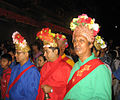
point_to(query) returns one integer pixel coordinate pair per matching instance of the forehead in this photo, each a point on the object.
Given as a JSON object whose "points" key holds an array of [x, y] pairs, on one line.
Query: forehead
{"points": [[18, 50], [46, 49], [4, 59], [40, 57], [78, 37]]}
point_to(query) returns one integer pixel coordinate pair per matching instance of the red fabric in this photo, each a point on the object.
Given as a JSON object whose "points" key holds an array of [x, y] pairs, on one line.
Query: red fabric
{"points": [[54, 74], [16, 79], [4, 81], [92, 64], [65, 59]]}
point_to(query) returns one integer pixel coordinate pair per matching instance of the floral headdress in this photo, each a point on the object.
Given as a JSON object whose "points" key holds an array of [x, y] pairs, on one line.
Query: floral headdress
{"points": [[20, 42], [61, 37], [99, 43], [47, 37], [86, 22]]}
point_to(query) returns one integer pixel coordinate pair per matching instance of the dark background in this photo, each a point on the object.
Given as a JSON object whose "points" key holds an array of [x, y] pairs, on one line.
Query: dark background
{"points": [[61, 12]]}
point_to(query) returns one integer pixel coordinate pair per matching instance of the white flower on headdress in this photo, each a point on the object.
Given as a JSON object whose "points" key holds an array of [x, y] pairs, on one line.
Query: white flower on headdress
{"points": [[23, 44], [100, 41], [103, 46], [95, 26]]}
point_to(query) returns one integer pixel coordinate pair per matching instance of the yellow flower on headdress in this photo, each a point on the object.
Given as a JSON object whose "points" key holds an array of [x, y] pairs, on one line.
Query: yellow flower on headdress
{"points": [[47, 37], [99, 43], [85, 21]]}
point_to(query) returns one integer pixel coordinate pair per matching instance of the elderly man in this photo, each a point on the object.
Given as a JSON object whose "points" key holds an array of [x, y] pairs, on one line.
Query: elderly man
{"points": [[25, 77], [54, 73], [90, 79]]}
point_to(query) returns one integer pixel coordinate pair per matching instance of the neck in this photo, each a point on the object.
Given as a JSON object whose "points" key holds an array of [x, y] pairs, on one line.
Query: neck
{"points": [[55, 58], [24, 61], [84, 56]]}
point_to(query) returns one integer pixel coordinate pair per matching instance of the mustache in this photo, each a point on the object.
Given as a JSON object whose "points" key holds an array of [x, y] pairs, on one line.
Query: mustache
{"points": [[77, 48]]}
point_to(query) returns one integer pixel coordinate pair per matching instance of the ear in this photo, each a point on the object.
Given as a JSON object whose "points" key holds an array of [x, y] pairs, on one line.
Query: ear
{"points": [[98, 52], [56, 51], [9, 62], [26, 54], [90, 45]]}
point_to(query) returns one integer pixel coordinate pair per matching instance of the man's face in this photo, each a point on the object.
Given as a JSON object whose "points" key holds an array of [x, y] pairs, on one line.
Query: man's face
{"points": [[20, 55], [50, 54], [81, 45]]}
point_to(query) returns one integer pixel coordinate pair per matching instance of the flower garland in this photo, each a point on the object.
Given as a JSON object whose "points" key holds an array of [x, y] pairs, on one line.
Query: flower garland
{"points": [[100, 41], [61, 37], [45, 34], [47, 37], [18, 39], [85, 21]]}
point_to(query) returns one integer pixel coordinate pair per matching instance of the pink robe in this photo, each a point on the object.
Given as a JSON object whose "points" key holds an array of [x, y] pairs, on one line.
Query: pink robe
{"points": [[55, 74]]}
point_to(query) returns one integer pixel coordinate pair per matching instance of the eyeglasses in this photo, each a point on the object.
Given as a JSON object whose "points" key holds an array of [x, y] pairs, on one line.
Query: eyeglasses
{"points": [[18, 53]]}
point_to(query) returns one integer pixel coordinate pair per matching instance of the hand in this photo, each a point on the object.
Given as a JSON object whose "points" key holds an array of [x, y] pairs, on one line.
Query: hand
{"points": [[46, 88]]}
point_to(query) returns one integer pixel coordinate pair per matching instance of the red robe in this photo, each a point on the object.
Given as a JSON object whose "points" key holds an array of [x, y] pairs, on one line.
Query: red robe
{"points": [[4, 81], [55, 74]]}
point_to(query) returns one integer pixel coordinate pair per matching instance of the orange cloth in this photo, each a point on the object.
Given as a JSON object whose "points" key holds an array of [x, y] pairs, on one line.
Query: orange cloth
{"points": [[69, 61]]}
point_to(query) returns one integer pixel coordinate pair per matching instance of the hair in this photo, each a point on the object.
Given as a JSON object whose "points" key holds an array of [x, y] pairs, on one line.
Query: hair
{"points": [[53, 48], [11, 50], [37, 44], [42, 55], [7, 56]]}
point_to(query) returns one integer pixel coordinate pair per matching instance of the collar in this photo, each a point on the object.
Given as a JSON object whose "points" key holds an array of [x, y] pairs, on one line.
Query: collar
{"points": [[63, 56], [26, 65], [88, 59]]}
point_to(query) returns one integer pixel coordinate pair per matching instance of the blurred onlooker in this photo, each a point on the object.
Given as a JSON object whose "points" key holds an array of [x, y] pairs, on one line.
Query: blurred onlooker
{"points": [[62, 45], [41, 61], [36, 52], [73, 54], [11, 51], [6, 60]]}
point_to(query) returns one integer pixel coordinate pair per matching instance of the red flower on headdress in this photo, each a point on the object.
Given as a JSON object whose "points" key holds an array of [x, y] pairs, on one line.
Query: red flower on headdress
{"points": [[19, 38], [44, 32], [45, 35], [95, 32]]}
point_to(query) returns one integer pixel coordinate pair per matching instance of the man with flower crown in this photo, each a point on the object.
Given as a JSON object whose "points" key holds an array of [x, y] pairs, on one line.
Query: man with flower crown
{"points": [[25, 78], [63, 44], [54, 73], [90, 79]]}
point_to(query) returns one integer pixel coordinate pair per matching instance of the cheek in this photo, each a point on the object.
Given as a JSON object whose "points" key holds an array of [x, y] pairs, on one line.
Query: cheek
{"points": [[4, 63]]}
